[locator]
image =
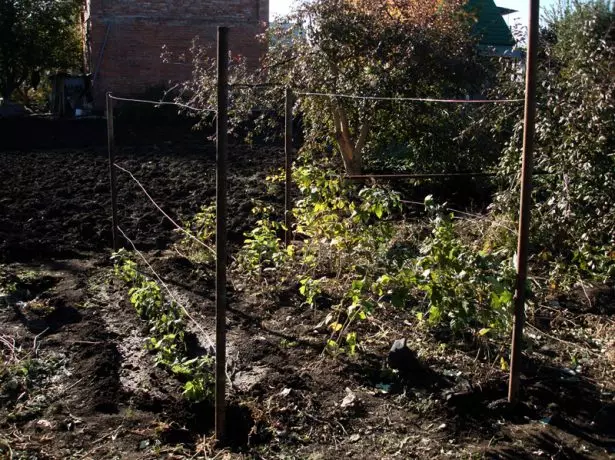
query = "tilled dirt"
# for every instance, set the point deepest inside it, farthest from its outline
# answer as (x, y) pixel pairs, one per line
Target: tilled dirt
(92, 390)
(57, 203)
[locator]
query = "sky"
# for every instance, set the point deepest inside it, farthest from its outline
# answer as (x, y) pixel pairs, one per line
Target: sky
(281, 7)
(522, 6)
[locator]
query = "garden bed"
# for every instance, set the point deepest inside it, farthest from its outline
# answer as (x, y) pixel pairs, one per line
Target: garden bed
(80, 384)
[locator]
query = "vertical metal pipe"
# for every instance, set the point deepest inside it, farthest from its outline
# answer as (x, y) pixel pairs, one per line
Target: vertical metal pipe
(112, 173)
(288, 151)
(524, 210)
(221, 157)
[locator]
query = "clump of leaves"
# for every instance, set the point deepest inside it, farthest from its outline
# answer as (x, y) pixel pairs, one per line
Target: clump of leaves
(201, 228)
(262, 248)
(469, 288)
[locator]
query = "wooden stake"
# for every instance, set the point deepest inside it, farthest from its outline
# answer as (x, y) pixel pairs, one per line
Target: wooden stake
(112, 172)
(221, 237)
(288, 151)
(524, 211)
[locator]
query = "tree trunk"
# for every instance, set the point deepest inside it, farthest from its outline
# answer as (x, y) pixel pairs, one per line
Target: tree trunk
(351, 150)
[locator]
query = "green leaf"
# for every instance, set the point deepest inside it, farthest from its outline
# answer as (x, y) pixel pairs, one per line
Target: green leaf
(351, 340)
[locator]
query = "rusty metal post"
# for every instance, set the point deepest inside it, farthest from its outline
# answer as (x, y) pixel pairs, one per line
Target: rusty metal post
(112, 172)
(524, 210)
(288, 151)
(221, 156)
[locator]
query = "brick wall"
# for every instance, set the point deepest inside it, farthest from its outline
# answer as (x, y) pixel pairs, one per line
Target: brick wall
(128, 61)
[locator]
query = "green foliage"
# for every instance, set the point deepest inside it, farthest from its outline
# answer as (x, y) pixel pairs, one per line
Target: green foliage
(201, 227)
(309, 288)
(262, 249)
(166, 328)
(408, 50)
(422, 48)
(204, 224)
(573, 214)
(36, 36)
(22, 374)
(194, 390)
(332, 209)
(468, 288)
(340, 229)
(346, 249)
(433, 138)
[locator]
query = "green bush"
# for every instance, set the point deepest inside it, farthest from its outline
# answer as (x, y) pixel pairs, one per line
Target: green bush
(573, 213)
(353, 247)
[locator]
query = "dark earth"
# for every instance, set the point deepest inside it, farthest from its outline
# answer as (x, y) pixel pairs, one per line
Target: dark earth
(76, 382)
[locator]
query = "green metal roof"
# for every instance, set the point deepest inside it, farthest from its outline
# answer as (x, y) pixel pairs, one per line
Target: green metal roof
(490, 25)
(505, 11)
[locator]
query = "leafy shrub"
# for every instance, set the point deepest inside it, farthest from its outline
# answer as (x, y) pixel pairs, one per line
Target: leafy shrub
(347, 248)
(467, 287)
(573, 216)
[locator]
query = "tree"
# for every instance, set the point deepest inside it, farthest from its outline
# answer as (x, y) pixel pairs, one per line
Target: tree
(422, 48)
(36, 35)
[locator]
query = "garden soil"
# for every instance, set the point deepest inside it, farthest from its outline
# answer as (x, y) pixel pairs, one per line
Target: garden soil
(77, 382)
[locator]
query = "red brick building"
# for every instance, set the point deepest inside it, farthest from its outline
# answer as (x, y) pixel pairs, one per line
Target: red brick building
(124, 38)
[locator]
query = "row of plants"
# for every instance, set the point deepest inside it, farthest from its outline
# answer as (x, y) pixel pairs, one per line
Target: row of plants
(166, 328)
(353, 250)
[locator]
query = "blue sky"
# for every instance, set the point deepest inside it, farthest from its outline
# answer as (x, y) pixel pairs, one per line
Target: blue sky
(280, 7)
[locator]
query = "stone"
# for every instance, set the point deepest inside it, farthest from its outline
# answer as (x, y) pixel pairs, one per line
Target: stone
(403, 359)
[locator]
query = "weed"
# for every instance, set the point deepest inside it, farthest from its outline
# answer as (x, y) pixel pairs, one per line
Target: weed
(202, 227)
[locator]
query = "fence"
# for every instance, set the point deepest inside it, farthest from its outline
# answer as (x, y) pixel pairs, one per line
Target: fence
(220, 249)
